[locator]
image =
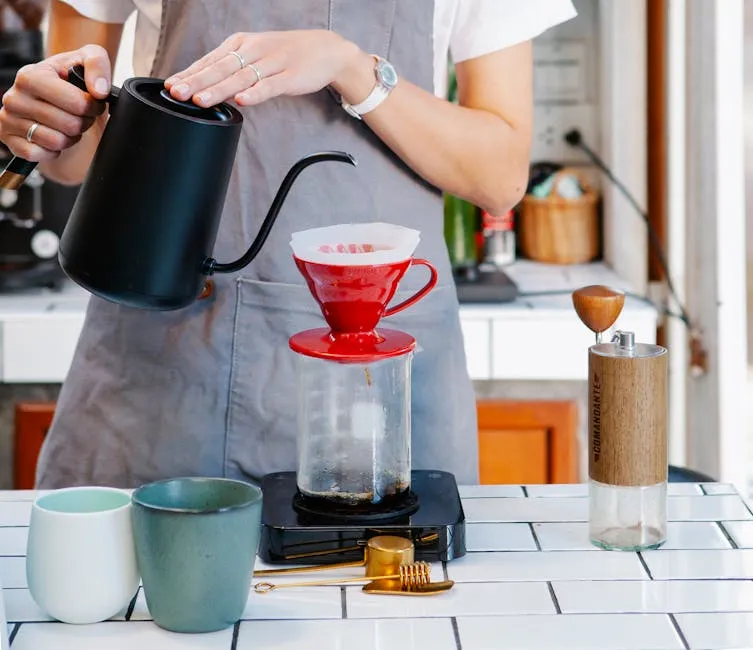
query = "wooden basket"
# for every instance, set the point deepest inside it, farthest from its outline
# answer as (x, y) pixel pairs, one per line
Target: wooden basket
(558, 230)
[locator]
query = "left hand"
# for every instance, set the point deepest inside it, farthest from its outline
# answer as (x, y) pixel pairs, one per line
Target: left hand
(289, 62)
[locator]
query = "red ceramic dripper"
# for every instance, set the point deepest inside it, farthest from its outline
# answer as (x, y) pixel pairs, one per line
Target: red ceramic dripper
(353, 299)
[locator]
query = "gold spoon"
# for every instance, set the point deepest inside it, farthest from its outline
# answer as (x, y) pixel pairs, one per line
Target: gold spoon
(408, 576)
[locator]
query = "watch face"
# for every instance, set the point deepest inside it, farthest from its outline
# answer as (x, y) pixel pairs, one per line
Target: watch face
(387, 74)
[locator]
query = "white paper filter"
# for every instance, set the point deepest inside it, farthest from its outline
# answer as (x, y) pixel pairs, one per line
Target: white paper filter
(355, 244)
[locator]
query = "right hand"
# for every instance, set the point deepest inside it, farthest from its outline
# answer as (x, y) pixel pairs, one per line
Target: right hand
(41, 94)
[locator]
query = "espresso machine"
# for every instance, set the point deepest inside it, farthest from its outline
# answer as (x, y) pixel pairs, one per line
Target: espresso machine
(32, 217)
(354, 479)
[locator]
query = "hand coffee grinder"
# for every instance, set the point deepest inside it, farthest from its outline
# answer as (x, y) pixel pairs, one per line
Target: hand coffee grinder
(354, 478)
(627, 451)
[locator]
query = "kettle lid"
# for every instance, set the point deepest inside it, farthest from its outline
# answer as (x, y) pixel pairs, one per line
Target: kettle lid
(153, 92)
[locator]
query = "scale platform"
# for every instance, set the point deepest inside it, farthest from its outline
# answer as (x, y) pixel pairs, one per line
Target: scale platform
(482, 285)
(292, 536)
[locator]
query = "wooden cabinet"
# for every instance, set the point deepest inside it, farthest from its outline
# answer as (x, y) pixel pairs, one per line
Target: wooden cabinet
(33, 419)
(520, 442)
(527, 442)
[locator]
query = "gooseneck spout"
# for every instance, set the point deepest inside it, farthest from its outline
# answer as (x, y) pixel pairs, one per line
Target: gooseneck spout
(211, 265)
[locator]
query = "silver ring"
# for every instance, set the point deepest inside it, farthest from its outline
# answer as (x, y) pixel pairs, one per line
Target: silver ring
(240, 58)
(30, 132)
(257, 72)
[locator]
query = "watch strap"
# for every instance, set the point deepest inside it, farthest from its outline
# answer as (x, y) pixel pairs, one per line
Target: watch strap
(376, 97)
(378, 94)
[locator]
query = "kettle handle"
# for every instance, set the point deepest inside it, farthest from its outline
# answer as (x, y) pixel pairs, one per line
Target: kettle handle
(211, 265)
(18, 169)
(76, 77)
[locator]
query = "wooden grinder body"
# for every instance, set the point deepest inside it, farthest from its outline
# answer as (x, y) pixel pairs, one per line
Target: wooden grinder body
(627, 414)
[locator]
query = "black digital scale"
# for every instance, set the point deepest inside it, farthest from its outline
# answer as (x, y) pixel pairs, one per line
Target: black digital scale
(294, 532)
(481, 285)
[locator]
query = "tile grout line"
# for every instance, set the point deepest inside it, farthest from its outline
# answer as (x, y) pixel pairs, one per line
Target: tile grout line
(725, 532)
(745, 504)
(343, 602)
(236, 633)
(679, 631)
(456, 633)
(13, 633)
(132, 606)
(535, 537)
(27, 525)
(554, 597)
(645, 566)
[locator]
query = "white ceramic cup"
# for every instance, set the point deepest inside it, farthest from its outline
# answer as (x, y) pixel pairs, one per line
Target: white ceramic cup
(81, 559)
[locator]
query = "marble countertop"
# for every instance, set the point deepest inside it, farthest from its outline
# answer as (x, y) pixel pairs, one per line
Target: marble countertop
(39, 329)
(529, 581)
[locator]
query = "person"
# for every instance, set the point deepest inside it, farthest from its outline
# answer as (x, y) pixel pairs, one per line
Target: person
(210, 389)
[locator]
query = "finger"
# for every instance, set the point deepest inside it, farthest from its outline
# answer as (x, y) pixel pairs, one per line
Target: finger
(19, 105)
(209, 59)
(97, 68)
(237, 83)
(230, 43)
(29, 151)
(266, 89)
(43, 136)
(43, 82)
(228, 65)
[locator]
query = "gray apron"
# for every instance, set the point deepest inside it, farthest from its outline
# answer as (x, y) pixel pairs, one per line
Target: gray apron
(210, 389)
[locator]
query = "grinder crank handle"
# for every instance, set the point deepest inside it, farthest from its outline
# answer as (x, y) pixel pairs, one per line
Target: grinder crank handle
(18, 169)
(598, 307)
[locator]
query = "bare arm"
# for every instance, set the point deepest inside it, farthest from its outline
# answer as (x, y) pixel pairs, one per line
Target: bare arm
(479, 150)
(71, 122)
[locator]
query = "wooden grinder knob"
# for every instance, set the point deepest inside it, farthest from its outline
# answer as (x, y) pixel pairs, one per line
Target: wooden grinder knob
(598, 306)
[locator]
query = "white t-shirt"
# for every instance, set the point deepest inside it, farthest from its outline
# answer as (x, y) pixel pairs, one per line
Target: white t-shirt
(463, 29)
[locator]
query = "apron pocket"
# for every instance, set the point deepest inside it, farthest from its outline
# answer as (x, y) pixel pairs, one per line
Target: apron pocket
(262, 407)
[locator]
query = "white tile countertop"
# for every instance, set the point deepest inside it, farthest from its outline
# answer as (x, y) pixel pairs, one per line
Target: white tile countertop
(530, 581)
(536, 337)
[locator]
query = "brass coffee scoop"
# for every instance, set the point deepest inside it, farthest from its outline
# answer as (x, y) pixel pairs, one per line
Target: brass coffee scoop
(598, 307)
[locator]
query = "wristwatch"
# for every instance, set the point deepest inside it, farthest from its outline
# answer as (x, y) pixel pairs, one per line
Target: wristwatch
(386, 80)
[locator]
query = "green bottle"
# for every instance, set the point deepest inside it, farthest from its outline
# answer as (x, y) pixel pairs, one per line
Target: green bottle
(460, 225)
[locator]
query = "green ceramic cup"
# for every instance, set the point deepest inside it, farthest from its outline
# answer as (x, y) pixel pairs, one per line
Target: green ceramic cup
(196, 544)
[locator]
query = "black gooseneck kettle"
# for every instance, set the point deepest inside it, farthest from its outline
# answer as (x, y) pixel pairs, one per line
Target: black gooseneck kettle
(144, 225)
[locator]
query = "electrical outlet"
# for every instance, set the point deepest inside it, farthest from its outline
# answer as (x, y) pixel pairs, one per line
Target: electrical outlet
(552, 122)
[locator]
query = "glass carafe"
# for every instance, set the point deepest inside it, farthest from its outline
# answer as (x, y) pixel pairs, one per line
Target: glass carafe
(354, 430)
